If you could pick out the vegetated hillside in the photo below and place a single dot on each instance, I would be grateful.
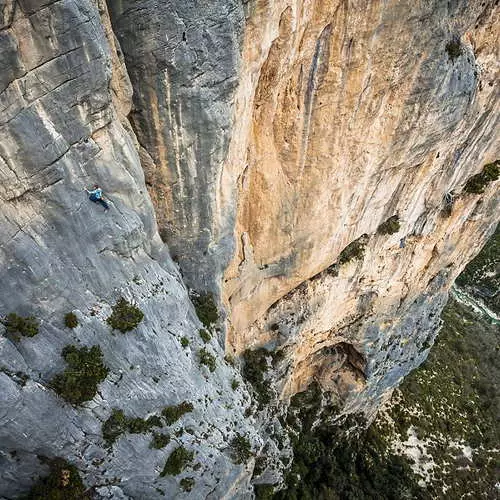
(438, 438)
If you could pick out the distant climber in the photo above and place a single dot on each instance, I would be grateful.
(96, 196)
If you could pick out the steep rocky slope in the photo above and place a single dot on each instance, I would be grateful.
(64, 99)
(310, 163)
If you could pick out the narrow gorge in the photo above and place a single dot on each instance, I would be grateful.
(293, 188)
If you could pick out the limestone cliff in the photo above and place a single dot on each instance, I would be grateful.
(327, 119)
(311, 163)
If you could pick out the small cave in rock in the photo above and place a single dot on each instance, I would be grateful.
(340, 369)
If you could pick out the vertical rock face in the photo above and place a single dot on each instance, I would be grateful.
(286, 136)
(357, 115)
(182, 58)
(64, 99)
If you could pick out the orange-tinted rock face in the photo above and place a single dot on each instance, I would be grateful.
(349, 114)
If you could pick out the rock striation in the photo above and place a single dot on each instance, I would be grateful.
(306, 162)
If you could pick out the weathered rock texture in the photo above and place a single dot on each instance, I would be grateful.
(350, 113)
(274, 138)
(64, 99)
(345, 114)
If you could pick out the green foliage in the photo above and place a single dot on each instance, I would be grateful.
(70, 320)
(264, 491)
(177, 461)
(241, 449)
(159, 440)
(18, 325)
(339, 461)
(207, 359)
(184, 341)
(125, 316)
(452, 398)
(480, 277)
(234, 384)
(478, 182)
(454, 49)
(390, 226)
(114, 426)
(117, 424)
(205, 336)
(187, 483)
(206, 309)
(78, 383)
(62, 483)
(175, 412)
(354, 251)
(254, 368)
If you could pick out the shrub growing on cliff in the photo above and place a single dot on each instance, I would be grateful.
(207, 359)
(18, 325)
(78, 383)
(206, 309)
(355, 250)
(175, 412)
(254, 367)
(454, 49)
(204, 335)
(187, 483)
(390, 226)
(159, 440)
(177, 461)
(241, 449)
(478, 182)
(70, 320)
(62, 483)
(117, 424)
(125, 316)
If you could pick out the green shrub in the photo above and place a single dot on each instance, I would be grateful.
(206, 309)
(187, 483)
(114, 426)
(355, 250)
(78, 383)
(264, 491)
(177, 461)
(454, 48)
(118, 424)
(62, 483)
(125, 316)
(241, 449)
(17, 325)
(70, 320)
(205, 336)
(254, 367)
(390, 226)
(175, 412)
(234, 384)
(184, 341)
(138, 425)
(207, 359)
(159, 440)
(478, 182)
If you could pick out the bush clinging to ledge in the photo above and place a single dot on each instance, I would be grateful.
(78, 383)
(125, 316)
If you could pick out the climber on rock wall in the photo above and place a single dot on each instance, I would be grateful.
(96, 196)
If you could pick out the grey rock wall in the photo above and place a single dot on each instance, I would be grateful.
(183, 61)
(63, 96)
